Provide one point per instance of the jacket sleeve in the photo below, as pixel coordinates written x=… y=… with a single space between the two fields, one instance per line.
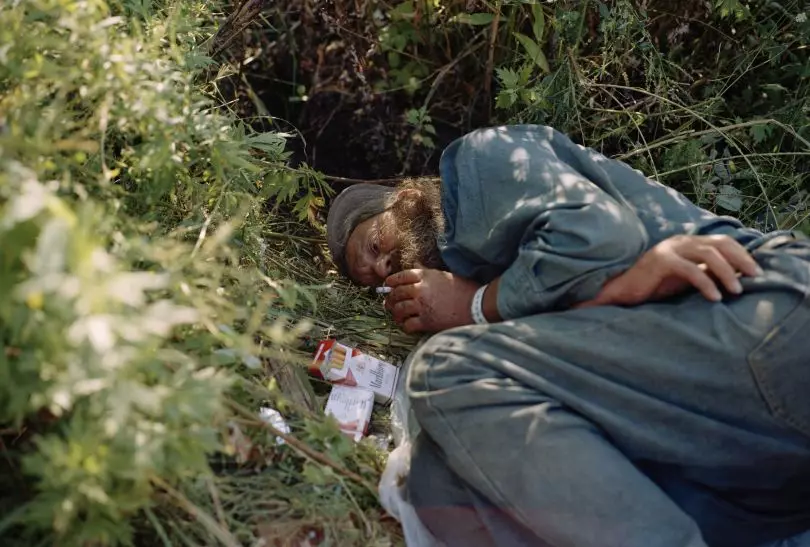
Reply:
x=557 y=200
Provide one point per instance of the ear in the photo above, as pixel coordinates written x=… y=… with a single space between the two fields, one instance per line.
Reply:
x=408 y=193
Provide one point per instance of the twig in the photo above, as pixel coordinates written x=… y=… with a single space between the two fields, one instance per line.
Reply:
x=639 y=131
x=303 y=448
x=692 y=134
x=237 y=22
x=720 y=130
x=204 y=518
x=434 y=87
x=350 y=181
x=493 y=38
x=209 y=218
x=212 y=489
x=290 y=237
x=735 y=157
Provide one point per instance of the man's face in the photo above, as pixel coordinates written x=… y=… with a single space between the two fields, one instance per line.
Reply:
x=372 y=252
x=402 y=237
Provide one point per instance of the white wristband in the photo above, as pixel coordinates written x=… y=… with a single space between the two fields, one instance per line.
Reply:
x=477 y=307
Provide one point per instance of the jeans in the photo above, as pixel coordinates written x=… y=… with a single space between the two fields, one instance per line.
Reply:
x=680 y=423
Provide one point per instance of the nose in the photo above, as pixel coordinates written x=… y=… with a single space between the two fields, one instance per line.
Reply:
x=384 y=266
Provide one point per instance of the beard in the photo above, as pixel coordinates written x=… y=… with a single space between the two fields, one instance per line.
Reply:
x=419 y=221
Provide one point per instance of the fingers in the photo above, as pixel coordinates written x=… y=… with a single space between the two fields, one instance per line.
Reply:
x=407 y=314
x=693 y=273
x=723 y=257
x=404 y=285
x=403 y=301
x=630 y=288
x=736 y=255
x=414 y=324
x=405 y=277
x=707 y=263
x=717 y=264
x=405 y=309
x=401 y=293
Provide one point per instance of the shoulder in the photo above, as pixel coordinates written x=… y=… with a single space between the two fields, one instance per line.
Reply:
x=506 y=159
x=506 y=154
x=502 y=140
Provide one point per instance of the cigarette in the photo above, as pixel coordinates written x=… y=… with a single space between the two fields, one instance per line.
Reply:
x=384 y=290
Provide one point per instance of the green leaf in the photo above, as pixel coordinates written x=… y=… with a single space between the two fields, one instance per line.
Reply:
x=473 y=18
x=775 y=87
x=525 y=74
x=729 y=198
x=403 y=11
x=319 y=475
x=760 y=133
x=533 y=51
x=506 y=98
x=508 y=77
x=731 y=7
x=272 y=143
x=539 y=26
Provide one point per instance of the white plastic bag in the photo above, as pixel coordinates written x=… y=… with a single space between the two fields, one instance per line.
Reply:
x=391 y=488
x=392 y=484
x=403 y=426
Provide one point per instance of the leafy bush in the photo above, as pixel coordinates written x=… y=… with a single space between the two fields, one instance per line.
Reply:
x=711 y=103
x=136 y=309
x=709 y=97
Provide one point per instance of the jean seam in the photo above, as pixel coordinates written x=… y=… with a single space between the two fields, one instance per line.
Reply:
x=467 y=456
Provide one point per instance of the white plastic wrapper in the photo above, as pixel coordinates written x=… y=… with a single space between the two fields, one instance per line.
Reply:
x=274 y=418
x=381 y=443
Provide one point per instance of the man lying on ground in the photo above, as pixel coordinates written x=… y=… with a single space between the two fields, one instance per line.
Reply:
x=622 y=368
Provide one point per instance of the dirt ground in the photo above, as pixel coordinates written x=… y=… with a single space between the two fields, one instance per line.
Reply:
x=317 y=73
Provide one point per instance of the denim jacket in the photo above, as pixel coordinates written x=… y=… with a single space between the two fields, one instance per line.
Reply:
x=554 y=219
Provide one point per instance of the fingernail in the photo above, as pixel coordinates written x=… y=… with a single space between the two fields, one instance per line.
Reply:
x=716 y=296
x=759 y=271
x=736 y=287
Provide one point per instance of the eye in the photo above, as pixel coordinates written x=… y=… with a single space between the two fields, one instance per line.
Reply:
x=374 y=243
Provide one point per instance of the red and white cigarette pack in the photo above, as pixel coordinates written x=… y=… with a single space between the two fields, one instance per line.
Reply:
x=351 y=407
x=342 y=365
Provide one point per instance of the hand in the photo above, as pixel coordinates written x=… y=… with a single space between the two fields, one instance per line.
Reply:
x=426 y=300
x=675 y=265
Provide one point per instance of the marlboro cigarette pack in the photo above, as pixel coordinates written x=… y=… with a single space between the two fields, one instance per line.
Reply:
x=343 y=365
x=351 y=407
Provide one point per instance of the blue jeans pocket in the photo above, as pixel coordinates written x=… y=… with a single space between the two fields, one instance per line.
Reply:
x=781 y=362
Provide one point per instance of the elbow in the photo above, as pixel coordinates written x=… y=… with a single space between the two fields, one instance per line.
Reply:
x=616 y=235
x=626 y=242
